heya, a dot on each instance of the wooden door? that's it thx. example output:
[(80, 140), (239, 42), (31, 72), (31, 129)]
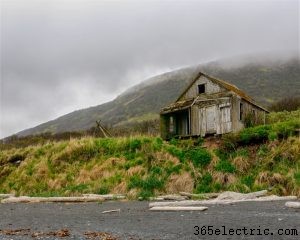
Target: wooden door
[(211, 119), (226, 125)]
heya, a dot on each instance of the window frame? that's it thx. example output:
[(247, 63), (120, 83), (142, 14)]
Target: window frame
[(203, 85)]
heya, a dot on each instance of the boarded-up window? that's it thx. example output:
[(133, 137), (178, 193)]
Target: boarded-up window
[(201, 88)]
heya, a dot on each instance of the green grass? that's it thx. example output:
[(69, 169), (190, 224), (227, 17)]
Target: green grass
[(145, 166)]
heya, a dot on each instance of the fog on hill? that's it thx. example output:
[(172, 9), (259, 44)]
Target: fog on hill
[(59, 56)]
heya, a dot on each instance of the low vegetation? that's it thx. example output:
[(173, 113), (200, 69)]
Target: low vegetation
[(262, 157)]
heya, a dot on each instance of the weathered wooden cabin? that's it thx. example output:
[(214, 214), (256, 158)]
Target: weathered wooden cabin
[(209, 106)]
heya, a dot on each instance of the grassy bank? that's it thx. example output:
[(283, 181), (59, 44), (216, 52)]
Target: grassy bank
[(256, 158)]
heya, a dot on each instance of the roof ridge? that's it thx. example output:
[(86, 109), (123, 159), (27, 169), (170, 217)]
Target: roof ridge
[(225, 84)]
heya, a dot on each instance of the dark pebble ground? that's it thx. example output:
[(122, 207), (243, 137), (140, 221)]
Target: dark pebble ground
[(135, 221)]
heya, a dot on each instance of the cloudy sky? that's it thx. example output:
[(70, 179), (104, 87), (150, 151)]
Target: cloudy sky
[(61, 55)]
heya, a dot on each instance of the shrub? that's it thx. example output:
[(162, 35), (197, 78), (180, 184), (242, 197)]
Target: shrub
[(135, 182), (248, 181), (145, 194), (77, 188), (174, 169), (222, 154), (104, 189), (149, 183), (176, 152), (157, 144), (106, 145), (297, 178), (135, 145), (272, 136), (156, 170), (200, 157), (230, 141), (225, 166), (152, 182), (275, 117), (174, 141), (204, 184), (286, 104), (249, 120)]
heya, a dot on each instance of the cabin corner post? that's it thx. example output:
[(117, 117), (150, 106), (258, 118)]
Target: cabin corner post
[(163, 126)]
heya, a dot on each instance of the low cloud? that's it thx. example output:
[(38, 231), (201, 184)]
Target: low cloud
[(59, 56)]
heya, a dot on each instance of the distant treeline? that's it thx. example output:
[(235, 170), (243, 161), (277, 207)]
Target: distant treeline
[(286, 104)]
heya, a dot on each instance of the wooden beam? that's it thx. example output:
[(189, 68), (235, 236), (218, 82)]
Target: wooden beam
[(168, 208)]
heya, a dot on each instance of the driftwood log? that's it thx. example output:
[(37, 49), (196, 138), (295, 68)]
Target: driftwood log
[(200, 195), (25, 199), (293, 205), (171, 197), (6, 195), (170, 208), (106, 196), (113, 210), (84, 198), (226, 198), (241, 196)]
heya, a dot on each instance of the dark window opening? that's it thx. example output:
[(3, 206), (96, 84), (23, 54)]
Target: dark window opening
[(201, 88), (171, 126), (241, 111)]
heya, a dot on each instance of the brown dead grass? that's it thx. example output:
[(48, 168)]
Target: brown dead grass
[(83, 177), (112, 162), (132, 193), (241, 163), (57, 183), (180, 183), (213, 163), (224, 178), (262, 178), (164, 157), (271, 179), (135, 170), (121, 188), (42, 170)]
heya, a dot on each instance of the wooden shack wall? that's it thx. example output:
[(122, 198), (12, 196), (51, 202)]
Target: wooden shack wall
[(248, 108), (210, 88), (199, 118)]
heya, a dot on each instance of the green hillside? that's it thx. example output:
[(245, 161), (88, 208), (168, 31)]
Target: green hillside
[(265, 82), (262, 157)]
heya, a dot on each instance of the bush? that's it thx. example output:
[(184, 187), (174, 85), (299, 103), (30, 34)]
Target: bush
[(148, 184), (176, 152), (135, 145), (135, 182), (103, 189), (156, 170), (225, 166), (260, 134), (200, 157), (174, 141), (286, 104), (204, 184), (297, 178), (157, 144), (145, 194), (248, 181)]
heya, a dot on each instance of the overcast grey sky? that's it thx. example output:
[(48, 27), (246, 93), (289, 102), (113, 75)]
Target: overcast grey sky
[(61, 55)]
